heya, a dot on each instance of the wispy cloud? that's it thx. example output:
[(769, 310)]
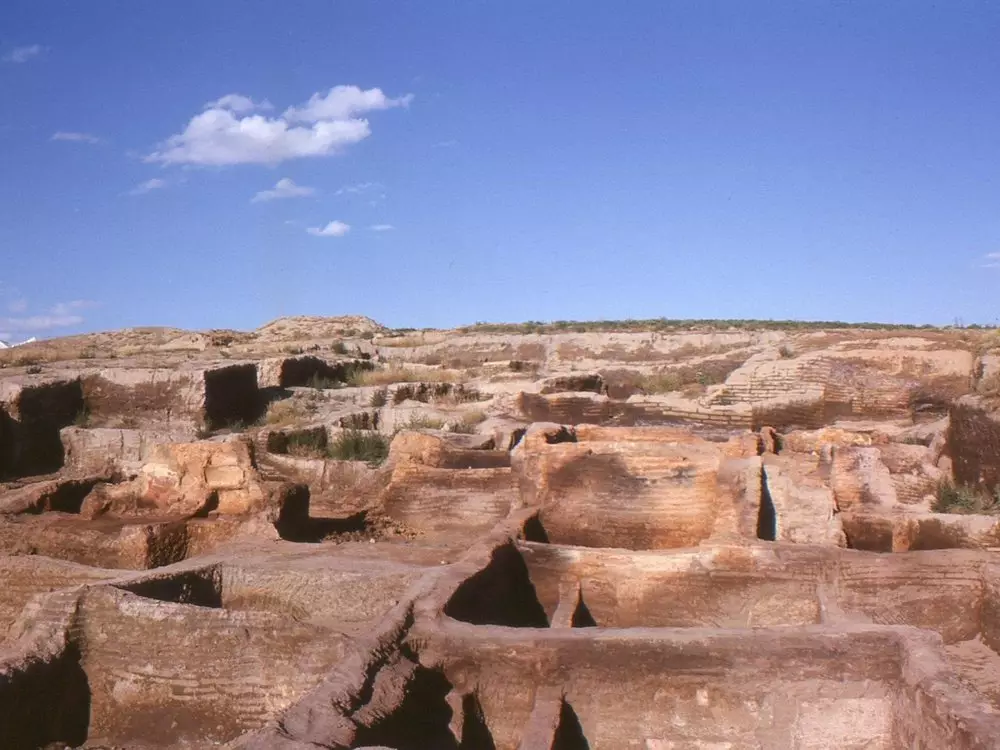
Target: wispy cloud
[(73, 306), (361, 187), (24, 54), (446, 144), (283, 188), (333, 229), (60, 315), (991, 260), (148, 186), (64, 135), (381, 227), (225, 134), (17, 305)]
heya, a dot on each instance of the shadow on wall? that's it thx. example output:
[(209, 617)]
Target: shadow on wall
[(232, 397), (499, 594), (45, 704), (30, 442), (569, 733), (423, 720), (767, 516)]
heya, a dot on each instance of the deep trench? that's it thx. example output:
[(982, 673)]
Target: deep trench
[(767, 516)]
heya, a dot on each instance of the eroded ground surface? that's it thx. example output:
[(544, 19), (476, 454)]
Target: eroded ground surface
[(325, 534)]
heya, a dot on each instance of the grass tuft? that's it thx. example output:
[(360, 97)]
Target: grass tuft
[(965, 499), (360, 445)]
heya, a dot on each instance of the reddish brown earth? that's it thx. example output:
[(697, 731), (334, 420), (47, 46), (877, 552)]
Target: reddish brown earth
[(697, 539)]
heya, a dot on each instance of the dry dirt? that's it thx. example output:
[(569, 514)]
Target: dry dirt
[(328, 534)]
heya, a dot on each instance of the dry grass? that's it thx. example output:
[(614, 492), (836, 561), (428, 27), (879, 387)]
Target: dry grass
[(691, 380), (421, 422), (467, 424), (288, 412), (402, 342), (400, 374), (989, 385)]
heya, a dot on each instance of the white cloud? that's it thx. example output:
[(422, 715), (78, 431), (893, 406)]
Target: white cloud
[(238, 103), (60, 315), (73, 306), (23, 54), (39, 322), (144, 187), (220, 136), (342, 103), (361, 187), (991, 260), (75, 137), (284, 188), (333, 229), (381, 227)]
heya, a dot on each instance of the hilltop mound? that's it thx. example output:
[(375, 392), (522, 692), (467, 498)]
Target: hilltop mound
[(297, 327)]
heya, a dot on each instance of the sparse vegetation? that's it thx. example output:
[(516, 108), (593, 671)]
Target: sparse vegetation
[(990, 385), (690, 379), (308, 444), (421, 422), (665, 324), (82, 418), (360, 445), (379, 398), (289, 411), (467, 424), (399, 374), (338, 347), (965, 499), (323, 382), (785, 351)]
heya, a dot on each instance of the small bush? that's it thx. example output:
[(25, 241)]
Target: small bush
[(380, 397), (338, 347), (311, 444), (289, 411), (321, 382), (785, 351), (965, 499), (360, 445), (421, 422), (663, 382), (467, 424)]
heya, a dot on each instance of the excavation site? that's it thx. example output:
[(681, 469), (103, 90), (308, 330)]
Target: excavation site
[(646, 535)]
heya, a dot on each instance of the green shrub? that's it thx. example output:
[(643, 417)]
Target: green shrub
[(380, 397), (309, 444), (952, 497), (360, 445)]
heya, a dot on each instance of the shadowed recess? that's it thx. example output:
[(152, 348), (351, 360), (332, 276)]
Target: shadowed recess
[(499, 594)]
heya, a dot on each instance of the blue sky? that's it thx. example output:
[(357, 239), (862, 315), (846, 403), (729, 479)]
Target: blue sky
[(440, 163)]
